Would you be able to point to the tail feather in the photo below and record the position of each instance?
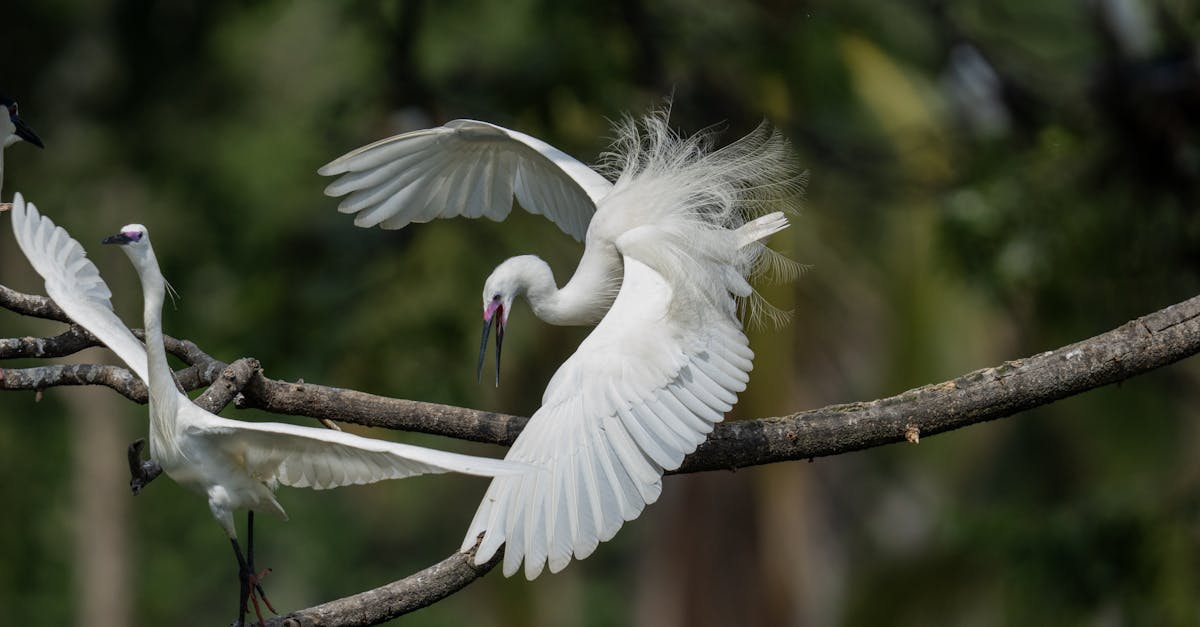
(761, 228)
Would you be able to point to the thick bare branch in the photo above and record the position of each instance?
(321, 401)
(41, 377)
(31, 305)
(232, 381)
(1137, 347)
(121, 380)
(386, 602)
(66, 343)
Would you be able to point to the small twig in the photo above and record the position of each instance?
(141, 471)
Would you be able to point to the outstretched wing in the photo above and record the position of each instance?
(308, 457)
(465, 168)
(74, 283)
(643, 390)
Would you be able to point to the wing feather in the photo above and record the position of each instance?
(642, 391)
(488, 166)
(307, 457)
(398, 201)
(410, 177)
(359, 184)
(73, 282)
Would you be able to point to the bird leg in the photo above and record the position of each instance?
(141, 471)
(250, 587)
(258, 576)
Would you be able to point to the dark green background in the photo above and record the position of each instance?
(937, 247)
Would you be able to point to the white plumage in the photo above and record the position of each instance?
(466, 168)
(235, 464)
(668, 252)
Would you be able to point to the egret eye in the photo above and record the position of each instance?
(135, 236)
(496, 297)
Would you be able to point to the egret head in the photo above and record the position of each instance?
(498, 293)
(13, 128)
(134, 238)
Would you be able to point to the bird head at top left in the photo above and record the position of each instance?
(14, 128)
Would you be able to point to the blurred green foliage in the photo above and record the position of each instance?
(959, 214)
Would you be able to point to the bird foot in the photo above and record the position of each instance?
(141, 471)
(252, 591)
(5, 206)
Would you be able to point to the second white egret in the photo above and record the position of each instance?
(235, 464)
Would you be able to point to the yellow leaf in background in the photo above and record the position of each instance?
(903, 107)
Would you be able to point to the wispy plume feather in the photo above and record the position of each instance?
(703, 204)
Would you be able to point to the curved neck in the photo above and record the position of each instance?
(582, 301)
(163, 394)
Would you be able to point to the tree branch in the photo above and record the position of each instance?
(66, 343)
(31, 305)
(320, 401)
(232, 381)
(41, 377)
(1136, 347)
(395, 599)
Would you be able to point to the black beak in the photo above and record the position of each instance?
(496, 319)
(26, 133)
(120, 239)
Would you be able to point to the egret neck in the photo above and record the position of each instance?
(582, 301)
(164, 398)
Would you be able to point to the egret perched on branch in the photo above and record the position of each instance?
(235, 464)
(668, 246)
(12, 130)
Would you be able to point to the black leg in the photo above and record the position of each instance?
(258, 577)
(243, 583)
(249, 581)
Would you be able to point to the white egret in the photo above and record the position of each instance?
(235, 464)
(12, 130)
(671, 241)
(472, 168)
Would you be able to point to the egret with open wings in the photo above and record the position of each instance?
(668, 249)
(236, 465)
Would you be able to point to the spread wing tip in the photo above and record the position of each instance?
(333, 168)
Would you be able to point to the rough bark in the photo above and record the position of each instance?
(398, 598)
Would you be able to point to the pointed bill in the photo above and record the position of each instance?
(26, 133)
(492, 314)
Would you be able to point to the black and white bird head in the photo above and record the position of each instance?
(13, 128)
(133, 237)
